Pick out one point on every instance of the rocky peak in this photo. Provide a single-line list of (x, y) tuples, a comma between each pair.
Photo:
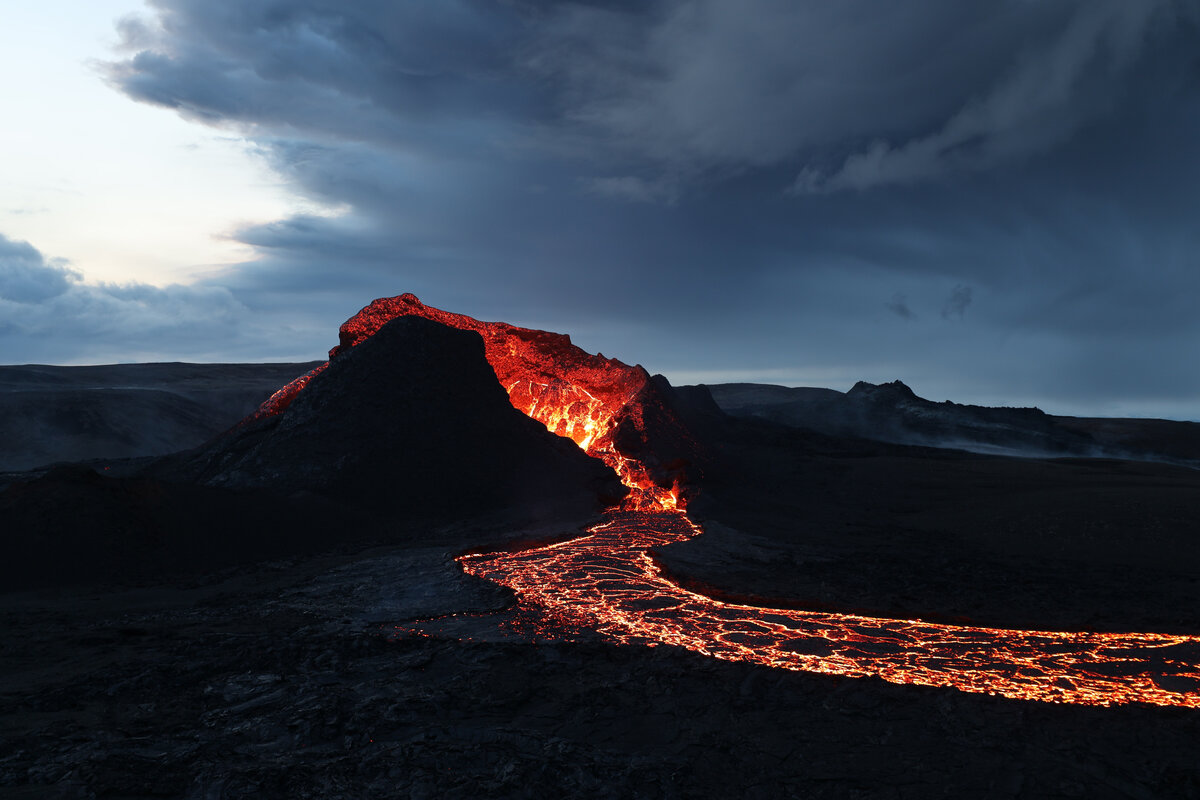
[(891, 391)]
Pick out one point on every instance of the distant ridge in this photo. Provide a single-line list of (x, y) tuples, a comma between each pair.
[(52, 414), (893, 412)]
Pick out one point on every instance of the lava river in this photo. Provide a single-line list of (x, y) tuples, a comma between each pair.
[(607, 580)]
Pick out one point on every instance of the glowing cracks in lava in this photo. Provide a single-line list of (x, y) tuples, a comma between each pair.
[(608, 582), (583, 421)]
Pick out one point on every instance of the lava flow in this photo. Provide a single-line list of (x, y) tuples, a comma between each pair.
[(607, 580)]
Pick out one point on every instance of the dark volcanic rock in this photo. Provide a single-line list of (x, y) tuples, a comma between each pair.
[(411, 421), (892, 392), (892, 412), (690, 402), (396, 440), (277, 685), (73, 525), (54, 414), (913, 532), (615, 411)]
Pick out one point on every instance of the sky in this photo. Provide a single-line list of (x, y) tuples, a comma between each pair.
[(994, 202)]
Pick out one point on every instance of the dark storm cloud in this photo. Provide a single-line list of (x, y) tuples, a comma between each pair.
[(708, 186), (1039, 101), (720, 84), (372, 71)]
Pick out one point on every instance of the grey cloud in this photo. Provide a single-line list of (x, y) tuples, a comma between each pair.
[(716, 85), (860, 94), (956, 304), (634, 189), (57, 317), (898, 305), (27, 277), (1046, 95), (370, 71)]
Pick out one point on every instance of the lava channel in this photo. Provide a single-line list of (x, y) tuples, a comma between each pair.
[(606, 580)]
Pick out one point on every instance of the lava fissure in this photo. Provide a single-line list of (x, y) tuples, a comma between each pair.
[(607, 581)]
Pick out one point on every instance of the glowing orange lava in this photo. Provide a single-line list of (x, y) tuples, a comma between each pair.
[(607, 580), (587, 398)]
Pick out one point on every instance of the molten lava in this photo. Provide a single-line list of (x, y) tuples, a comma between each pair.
[(607, 580), (587, 398)]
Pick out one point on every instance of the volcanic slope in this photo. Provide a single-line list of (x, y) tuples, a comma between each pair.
[(402, 435), (54, 414), (614, 411), (411, 421)]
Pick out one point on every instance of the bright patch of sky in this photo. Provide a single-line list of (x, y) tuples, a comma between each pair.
[(121, 190)]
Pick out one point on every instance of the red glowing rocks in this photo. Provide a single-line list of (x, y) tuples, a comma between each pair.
[(599, 403), (412, 423)]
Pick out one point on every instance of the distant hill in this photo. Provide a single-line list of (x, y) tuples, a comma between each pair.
[(892, 412), (52, 414)]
